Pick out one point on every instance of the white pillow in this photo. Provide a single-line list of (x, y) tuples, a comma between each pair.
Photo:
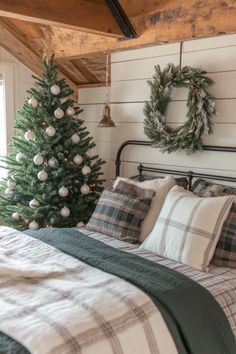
[(188, 227), (161, 186)]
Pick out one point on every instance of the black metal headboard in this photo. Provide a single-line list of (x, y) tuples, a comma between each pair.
[(189, 174)]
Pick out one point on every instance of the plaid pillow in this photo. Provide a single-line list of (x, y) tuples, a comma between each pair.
[(225, 253), (119, 212), (188, 228), (180, 181)]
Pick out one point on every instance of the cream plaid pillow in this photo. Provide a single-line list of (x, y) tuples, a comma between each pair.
[(188, 227)]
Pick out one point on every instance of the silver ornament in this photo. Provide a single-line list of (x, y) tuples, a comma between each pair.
[(33, 102), (34, 203), (19, 157), (33, 225), (75, 138), (88, 152), (78, 159), (65, 212), (85, 189), (42, 176), (52, 162), (15, 216), (50, 131), (86, 170), (55, 90), (11, 184), (70, 111), (38, 159), (59, 113), (63, 100), (9, 192), (29, 135), (63, 191)]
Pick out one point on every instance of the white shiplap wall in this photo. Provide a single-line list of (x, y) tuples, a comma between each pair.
[(129, 74), (18, 81)]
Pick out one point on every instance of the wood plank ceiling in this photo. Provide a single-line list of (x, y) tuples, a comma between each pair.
[(82, 32)]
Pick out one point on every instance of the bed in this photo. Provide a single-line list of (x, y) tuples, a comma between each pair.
[(72, 291)]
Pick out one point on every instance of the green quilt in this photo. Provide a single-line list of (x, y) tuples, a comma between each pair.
[(194, 318)]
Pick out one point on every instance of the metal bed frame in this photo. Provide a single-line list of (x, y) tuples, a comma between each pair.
[(189, 174)]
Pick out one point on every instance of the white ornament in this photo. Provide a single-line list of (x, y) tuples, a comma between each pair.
[(29, 135), (15, 216), (70, 111), (11, 184), (33, 203), (65, 212), (78, 159), (19, 157), (80, 225), (63, 100), (88, 152), (33, 225), (59, 113), (85, 189), (50, 131), (38, 159), (42, 176), (52, 162), (86, 170), (63, 191), (75, 138), (9, 192), (55, 90), (33, 102)]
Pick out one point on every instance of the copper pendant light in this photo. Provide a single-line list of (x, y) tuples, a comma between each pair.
[(106, 121)]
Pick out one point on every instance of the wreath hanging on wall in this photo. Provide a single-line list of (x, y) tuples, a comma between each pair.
[(201, 109)]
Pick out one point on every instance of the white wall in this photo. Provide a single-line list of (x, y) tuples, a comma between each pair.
[(17, 80), (129, 90)]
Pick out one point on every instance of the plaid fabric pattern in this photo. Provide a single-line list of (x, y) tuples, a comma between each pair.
[(188, 228), (219, 281), (161, 186), (225, 253), (79, 310), (119, 214), (180, 181)]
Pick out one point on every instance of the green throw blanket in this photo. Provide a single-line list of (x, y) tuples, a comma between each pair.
[(194, 318)]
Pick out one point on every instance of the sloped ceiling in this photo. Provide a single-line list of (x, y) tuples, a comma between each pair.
[(82, 32)]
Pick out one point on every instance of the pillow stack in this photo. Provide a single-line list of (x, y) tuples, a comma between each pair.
[(170, 221)]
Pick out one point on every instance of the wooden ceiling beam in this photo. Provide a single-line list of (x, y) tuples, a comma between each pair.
[(177, 20), (83, 15), (26, 55), (79, 64)]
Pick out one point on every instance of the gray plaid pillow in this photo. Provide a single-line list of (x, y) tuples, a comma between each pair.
[(119, 212), (180, 181), (225, 253)]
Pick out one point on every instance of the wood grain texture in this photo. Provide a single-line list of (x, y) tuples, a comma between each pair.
[(75, 14), (81, 53), (171, 21)]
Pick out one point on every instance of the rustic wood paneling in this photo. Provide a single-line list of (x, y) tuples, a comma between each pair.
[(80, 14)]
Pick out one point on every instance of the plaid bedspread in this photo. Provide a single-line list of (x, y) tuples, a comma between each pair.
[(43, 307), (220, 281), (73, 308)]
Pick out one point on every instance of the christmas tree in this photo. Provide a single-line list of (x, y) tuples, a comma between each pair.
[(53, 178)]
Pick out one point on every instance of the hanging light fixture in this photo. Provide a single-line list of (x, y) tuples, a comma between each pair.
[(106, 121)]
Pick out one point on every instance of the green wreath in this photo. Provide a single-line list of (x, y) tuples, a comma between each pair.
[(201, 109)]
